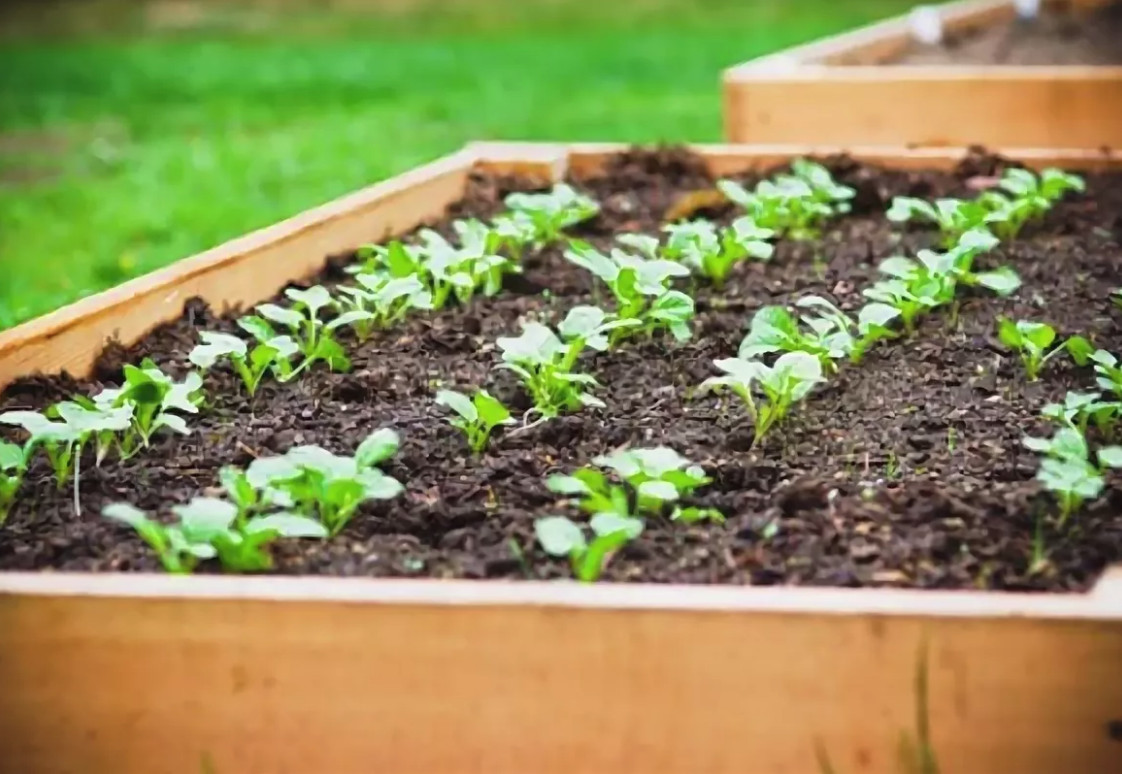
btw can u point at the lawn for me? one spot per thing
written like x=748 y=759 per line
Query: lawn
x=134 y=134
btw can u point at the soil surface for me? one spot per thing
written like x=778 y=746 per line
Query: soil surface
x=1058 y=36
x=906 y=470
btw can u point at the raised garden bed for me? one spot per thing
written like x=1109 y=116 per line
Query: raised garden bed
x=905 y=469
x=994 y=79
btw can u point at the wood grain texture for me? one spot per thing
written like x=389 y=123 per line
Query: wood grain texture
x=833 y=92
x=241 y=272
x=270 y=676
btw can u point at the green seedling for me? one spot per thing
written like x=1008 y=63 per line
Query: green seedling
x=825 y=335
x=552 y=212
x=485 y=245
x=782 y=385
x=156 y=401
x=711 y=252
x=792 y=205
x=1032 y=341
x=873 y=321
x=209 y=528
x=330 y=487
x=379 y=302
x=13 y=468
x=1030 y=197
x=1067 y=470
x=1108 y=373
x=654 y=477
x=641 y=288
x=271 y=356
x=394 y=258
x=544 y=364
x=512 y=233
x=561 y=537
x=476 y=417
x=589 y=326
x=1079 y=409
x=315 y=339
x=953 y=217
x=459 y=271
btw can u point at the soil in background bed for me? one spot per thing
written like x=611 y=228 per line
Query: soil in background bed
x=906 y=470
x=1059 y=36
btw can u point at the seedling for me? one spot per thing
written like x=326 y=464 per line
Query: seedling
x=551 y=212
x=379 y=302
x=790 y=380
x=313 y=337
x=459 y=271
x=329 y=486
x=512 y=233
x=1108 y=373
x=544 y=364
x=953 y=217
x=394 y=258
x=13 y=467
x=825 y=335
x=641 y=288
x=1031 y=197
x=872 y=326
x=792 y=205
x=156 y=401
x=711 y=252
x=1067 y=470
x=273 y=355
x=58 y=439
x=209 y=528
x=656 y=477
x=589 y=326
x=1032 y=341
x=561 y=537
x=1081 y=408
x=483 y=245
x=477 y=416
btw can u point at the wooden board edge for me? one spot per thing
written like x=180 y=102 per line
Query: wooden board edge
x=880 y=41
x=921 y=74
x=44 y=330
x=1104 y=603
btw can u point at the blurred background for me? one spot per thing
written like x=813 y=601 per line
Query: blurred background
x=136 y=133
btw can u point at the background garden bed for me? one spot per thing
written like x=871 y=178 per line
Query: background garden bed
x=110 y=673
x=851 y=89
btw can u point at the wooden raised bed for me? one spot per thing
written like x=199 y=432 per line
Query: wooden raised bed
x=256 y=675
x=839 y=91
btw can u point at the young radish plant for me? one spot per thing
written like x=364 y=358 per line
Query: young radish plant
x=552 y=212
x=379 y=302
x=13 y=467
x=314 y=338
x=641 y=288
x=545 y=366
x=1080 y=409
x=781 y=385
x=209 y=528
x=155 y=401
x=1068 y=471
x=711 y=252
x=953 y=217
x=564 y=538
x=476 y=416
x=794 y=205
x=270 y=356
x=654 y=478
x=1029 y=197
x=1108 y=372
x=319 y=484
x=1031 y=340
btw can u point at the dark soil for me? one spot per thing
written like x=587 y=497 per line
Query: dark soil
x=1060 y=35
x=906 y=470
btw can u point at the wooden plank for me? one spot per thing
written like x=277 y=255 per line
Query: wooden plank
x=833 y=92
x=241 y=272
x=258 y=675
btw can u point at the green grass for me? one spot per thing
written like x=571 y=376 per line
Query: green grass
x=177 y=126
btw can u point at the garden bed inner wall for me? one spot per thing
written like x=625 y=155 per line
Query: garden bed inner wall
x=260 y=675
x=838 y=91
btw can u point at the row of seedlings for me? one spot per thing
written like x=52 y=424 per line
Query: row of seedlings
x=308 y=491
